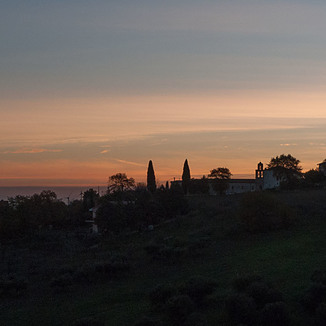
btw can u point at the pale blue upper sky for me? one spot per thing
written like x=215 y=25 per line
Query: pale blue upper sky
x=66 y=48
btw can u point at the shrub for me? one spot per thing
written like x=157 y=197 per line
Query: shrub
x=314 y=297
x=198 y=288
x=241 y=309
x=12 y=287
x=196 y=319
x=263 y=294
x=275 y=314
x=62 y=281
x=321 y=314
x=161 y=294
x=179 y=308
x=88 y=322
x=241 y=283
x=319 y=276
x=147 y=321
x=262 y=212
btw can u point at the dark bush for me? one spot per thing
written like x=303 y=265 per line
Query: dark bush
x=314 y=297
x=196 y=319
x=241 y=283
x=12 y=287
x=179 y=308
x=88 y=322
x=161 y=294
x=319 y=276
x=262 y=212
x=62 y=281
x=275 y=314
x=321 y=314
x=198 y=289
x=241 y=309
x=263 y=294
x=147 y=321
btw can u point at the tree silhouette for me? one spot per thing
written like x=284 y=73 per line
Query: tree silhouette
x=220 y=173
x=151 y=183
x=119 y=183
x=221 y=177
x=185 y=177
x=287 y=169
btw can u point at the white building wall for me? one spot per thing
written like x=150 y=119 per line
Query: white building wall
x=270 y=180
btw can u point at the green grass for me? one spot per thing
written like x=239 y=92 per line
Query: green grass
x=284 y=258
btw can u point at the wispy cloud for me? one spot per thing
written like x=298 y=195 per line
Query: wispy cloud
x=130 y=163
x=32 y=151
x=288 y=145
x=105 y=151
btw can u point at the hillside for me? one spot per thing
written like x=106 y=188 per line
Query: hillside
x=70 y=276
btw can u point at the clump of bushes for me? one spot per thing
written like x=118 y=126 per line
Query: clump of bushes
x=88 y=322
x=256 y=303
x=12 y=287
x=182 y=304
x=114 y=267
x=173 y=250
x=262 y=212
x=314 y=299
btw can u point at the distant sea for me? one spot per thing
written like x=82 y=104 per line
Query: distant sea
x=62 y=192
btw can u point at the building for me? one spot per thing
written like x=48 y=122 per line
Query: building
x=264 y=179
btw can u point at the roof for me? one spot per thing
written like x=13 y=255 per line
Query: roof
x=242 y=180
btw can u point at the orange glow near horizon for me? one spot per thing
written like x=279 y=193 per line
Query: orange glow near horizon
x=37 y=134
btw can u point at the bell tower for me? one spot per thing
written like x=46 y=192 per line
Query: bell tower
x=260 y=171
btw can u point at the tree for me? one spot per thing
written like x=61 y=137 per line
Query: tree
x=185 y=177
x=220 y=173
x=287 y=169
x=90 y=198
x=221 y=177
x=151 y=183
x=119 y=183
x=313 y=177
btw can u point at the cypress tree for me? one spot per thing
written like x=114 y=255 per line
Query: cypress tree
x=151 y=183
x=185 y=177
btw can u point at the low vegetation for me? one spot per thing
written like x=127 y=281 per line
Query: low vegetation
x=252 y=259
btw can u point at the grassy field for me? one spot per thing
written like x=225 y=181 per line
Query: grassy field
x=208 y=242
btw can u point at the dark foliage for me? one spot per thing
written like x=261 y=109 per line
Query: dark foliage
x=315 y=295
x=161 y=294
x=12 y=287
x=262 y=212
x=186 y=177
x=151 y=183
x=178 y=309
x=199 y=186
x=88 y=322
x=147 y=321
x=241 y=283
x=198 y=289
x=241 y=309
x=263 y=293
x=275 y=314
x=196 y=319
x=321 y=314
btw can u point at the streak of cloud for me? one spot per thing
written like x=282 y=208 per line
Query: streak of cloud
x=33 y=151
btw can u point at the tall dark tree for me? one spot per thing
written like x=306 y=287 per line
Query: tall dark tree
x=185 y=177
x=151 y=182
x=287 y=169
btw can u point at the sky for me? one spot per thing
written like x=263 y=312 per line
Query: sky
x=92 y=88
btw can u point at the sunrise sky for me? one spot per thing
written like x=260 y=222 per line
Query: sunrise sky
x=92 y=88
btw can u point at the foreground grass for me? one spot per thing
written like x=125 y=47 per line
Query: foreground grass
x=285 y=258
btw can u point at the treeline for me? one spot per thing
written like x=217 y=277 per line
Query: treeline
x=24 y=215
